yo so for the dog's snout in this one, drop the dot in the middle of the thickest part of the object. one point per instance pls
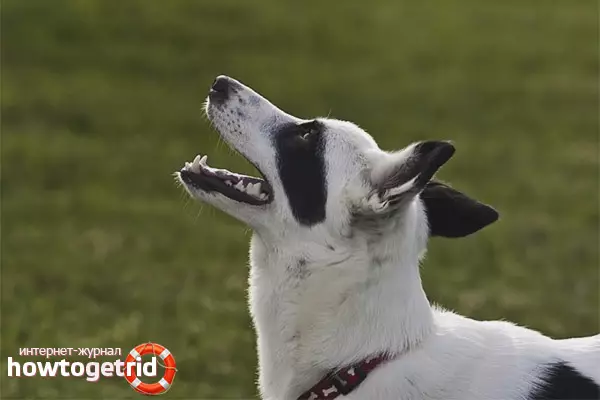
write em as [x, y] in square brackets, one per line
[221, 88]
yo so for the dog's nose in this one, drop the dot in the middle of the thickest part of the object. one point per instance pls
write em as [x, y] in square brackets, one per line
[219, 91]
[221, 83]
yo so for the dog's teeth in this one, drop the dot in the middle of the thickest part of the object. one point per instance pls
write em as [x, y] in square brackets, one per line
[188, 165]
[263, 196]
[203, 161]
[240, 186]
[196, 164]
[228, 183]
[253, 189]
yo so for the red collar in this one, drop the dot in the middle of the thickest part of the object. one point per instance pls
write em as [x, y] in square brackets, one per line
[343, 381]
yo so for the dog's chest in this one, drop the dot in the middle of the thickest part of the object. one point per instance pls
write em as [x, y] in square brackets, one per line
[274, 286]
[273, 300]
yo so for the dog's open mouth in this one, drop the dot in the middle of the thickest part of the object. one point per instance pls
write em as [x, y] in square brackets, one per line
[238, 187]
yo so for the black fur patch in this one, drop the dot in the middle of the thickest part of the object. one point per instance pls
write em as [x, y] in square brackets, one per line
[301, 168]
[561, 381]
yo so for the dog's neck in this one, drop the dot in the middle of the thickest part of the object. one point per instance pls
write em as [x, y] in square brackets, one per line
[318, 306]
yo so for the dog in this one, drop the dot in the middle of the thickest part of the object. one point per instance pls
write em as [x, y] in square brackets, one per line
[339, 229]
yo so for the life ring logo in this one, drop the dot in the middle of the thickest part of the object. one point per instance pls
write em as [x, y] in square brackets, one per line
[135, 356]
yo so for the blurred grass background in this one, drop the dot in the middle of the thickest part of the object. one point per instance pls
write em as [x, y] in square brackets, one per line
[101, 102]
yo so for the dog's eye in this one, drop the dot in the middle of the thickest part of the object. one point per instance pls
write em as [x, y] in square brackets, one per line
[308, 130]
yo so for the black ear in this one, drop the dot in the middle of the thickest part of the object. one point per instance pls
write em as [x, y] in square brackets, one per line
[406, 174]
[452, 214]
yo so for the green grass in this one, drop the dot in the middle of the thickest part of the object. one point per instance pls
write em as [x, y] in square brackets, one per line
[101, 102]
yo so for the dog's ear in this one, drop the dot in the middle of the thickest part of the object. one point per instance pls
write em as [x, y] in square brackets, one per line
[404, 174]
[452, 214]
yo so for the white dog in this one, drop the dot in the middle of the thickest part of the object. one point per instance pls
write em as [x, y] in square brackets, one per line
[340, 227]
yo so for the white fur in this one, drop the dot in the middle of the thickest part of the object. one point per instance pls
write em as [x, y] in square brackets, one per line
[334, 293]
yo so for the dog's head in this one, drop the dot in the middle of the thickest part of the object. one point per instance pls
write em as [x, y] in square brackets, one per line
[322, 172]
